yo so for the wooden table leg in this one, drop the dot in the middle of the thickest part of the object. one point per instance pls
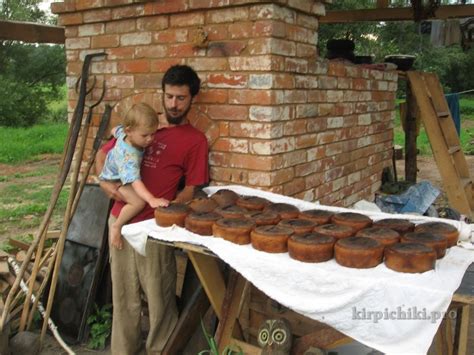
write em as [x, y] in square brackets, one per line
[212, 280]
[462, 329]
[229, 327]
[443, 340]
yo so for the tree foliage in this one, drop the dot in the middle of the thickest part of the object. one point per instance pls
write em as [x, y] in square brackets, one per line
[30, 74]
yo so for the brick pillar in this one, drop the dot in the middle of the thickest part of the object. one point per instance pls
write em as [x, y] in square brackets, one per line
[277, 117]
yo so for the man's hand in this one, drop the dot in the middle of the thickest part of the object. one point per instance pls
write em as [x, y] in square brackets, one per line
[111, 189]
[185, 194]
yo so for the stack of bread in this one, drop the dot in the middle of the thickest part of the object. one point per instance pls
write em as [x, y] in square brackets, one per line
[317, 235]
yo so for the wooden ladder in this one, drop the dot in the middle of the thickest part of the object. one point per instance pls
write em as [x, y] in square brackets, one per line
[444, 140]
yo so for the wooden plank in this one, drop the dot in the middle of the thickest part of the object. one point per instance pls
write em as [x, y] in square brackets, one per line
[394, 14]
[4, 267]
[18, 244]
[210, 275]
[462, 331]
[447, 168]
[31, 32]
[3, 255]
[228, 326]
[189, 320]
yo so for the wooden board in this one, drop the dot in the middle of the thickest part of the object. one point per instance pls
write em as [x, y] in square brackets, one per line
[31, 32]
[394, 14]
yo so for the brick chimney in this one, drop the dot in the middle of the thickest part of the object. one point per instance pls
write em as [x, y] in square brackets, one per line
[277, 116]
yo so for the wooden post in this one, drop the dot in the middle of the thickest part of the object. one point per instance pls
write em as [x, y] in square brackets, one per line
[410, 137]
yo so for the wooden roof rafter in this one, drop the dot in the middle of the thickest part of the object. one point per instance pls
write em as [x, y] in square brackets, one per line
[384, 13]
[31, 32]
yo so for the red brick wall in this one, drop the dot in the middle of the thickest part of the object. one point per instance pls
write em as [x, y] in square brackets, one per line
[277, 117]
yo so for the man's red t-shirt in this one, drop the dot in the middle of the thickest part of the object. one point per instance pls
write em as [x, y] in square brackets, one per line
[175, 152]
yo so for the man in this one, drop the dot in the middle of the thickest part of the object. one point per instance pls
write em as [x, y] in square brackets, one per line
[178, 150]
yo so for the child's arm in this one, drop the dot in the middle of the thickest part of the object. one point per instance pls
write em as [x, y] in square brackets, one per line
[143, 192]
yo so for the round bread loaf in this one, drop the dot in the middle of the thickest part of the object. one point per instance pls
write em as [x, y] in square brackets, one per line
[449, 231]
[317, 216]
[410, 257]
[264, 218]
[399, 225]
[201, 222]
[235, 230]
[311, 247]
[202, 204]
[225, 197]
[436, 241]
[298, 225]
[284, 210]
[358, 252]
[231, 211]
[271, 239]
[386, 236]
[252, 203]
[174, 213]
[356, 221]
[335, 230]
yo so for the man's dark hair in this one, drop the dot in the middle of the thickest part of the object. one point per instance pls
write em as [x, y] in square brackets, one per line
[180, 75]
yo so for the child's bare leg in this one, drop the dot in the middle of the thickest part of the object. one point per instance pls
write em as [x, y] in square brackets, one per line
[134, 204]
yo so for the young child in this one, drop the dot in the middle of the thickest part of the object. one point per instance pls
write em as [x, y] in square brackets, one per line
[123, 164]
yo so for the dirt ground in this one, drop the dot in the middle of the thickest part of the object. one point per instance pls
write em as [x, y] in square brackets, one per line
[427, 170]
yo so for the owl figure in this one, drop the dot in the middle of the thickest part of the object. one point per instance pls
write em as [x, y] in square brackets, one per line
[274, 337]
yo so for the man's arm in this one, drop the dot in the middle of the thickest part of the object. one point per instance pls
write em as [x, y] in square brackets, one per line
[110, 188]
[185, 195]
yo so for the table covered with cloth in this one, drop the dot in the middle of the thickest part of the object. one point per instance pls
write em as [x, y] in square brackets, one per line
[389, 311]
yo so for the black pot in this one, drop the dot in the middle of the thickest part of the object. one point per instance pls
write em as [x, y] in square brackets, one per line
[363, 59]
[340, 45]
[402, 61]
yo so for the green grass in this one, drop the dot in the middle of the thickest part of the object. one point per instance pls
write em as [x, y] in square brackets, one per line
[422, 142]
[25, 195]
[466, 105]
[18, 145]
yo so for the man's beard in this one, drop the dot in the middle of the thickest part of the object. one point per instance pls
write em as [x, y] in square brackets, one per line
[176, 120]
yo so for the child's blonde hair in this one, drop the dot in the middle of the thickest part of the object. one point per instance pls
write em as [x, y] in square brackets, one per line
[141, 115]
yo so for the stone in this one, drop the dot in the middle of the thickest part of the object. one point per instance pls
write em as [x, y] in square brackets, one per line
[25, 343]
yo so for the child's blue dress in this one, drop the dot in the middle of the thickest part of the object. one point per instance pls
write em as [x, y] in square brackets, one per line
[123, 161]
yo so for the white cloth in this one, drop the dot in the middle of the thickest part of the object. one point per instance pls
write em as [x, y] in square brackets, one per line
[343, 298]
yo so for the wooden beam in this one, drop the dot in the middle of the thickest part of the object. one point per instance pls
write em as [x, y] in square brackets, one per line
[31, 32]
[394, 14]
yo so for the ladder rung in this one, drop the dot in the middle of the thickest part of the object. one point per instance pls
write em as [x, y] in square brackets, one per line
[465, 182]
[442, 114]
[454, 149]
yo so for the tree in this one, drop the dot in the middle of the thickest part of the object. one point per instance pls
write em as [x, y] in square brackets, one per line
[30, 75]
